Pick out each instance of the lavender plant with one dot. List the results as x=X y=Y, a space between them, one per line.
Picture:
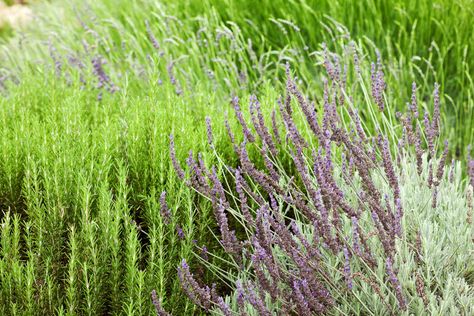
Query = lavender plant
x=325 y=215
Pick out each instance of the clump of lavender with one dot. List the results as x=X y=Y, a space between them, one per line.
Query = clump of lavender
x=295 y=220
x=414 y=136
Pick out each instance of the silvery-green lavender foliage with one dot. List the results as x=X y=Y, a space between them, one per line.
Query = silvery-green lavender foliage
x=332 y=223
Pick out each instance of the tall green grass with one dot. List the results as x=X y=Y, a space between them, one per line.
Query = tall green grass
x=425 y=41
x=420 y=41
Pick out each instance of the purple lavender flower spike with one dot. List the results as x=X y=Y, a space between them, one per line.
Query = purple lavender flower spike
x=430 y=134
x=165 y=211
x=160 y=311
x=226 y=311
x=257 y=302
x=388 y=166
x=204 y=253
x=347 y=268
x=247 y=133
x=276 y=133
x=173 y=80
x=395 y=284
x=58 y=65
x=470 y=165
x=451 y=171
x=398 y=217
x=199 y=295
x=152 y=38
x=241 y=296
x=434 y=199
x=418 y=152
x=243 y=197
x=442 y=162
x=378 y=82
x=99 y=72
x=301 y=301
x=414 y=103
x=259 y=124
x=355 y=236
x=436 y=111
x=229 y=240
x=209 y=132
x=180 y=232
x=176 y=165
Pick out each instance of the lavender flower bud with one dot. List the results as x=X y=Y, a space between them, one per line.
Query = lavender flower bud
x=243 y=198
x=430 y=133
x=259 y=124
x=388 y=166
x=99 y=72
x=257 y=302
x=430 y=174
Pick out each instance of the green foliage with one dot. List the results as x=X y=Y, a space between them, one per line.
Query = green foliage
x=82 y=229
x=80 y=179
